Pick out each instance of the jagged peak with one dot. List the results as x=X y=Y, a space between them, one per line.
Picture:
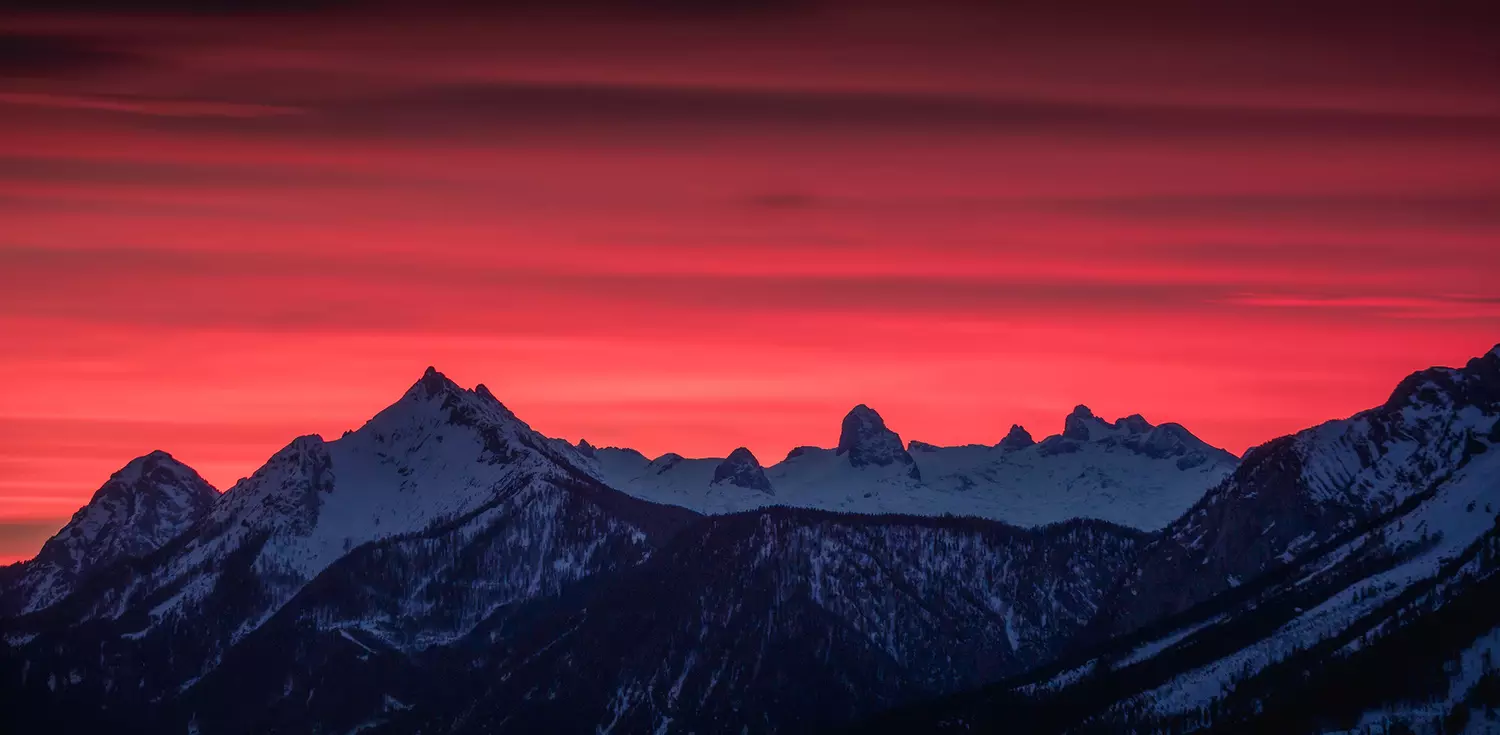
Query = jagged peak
x=433 y=383
x=1134 y=423
x=1017 y=438
x=1076 y=425
x=473 y=407
x=624 y=450
x=1477 y=383
x=585 y=448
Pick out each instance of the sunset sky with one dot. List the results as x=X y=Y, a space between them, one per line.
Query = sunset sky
x=649 y=225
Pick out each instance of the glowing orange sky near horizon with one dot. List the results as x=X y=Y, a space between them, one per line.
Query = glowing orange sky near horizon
x=683 y=233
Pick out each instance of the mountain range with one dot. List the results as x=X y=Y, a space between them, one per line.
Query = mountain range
x=447 y=569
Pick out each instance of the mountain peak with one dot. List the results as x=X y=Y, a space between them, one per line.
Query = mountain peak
x=460 y=404
x=1076 y=425
x=1134 y=423
x=1017 y=438
x=865 y=438
x=743 y=469
x=1477 y=383
x=432 y=383
x=143 y=505
x=151 y=473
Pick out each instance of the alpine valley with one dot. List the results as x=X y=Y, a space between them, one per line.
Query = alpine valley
x=447 y=569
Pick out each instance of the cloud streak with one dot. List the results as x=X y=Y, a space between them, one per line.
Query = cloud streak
x=689 y=227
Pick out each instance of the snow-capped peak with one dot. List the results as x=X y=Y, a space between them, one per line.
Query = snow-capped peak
x=743 y=469
x=145 y=504
x=1475 y=384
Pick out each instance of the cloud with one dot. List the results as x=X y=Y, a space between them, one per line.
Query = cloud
x=624 y=110
x=1411 y=307
x=141 y=105
x=41 y=55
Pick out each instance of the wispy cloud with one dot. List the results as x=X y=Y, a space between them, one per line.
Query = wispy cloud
x=148 y=106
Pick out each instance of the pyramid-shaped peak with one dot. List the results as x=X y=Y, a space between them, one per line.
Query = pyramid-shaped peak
x=470 y=406
x=743 y=454
x=433 y=383
x=143 y=505
x=157 y=472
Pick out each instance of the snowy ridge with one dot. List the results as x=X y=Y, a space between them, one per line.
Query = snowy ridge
x=1129 y=472
x=1286 y=599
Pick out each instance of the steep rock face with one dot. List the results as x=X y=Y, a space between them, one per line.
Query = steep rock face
x=1017 y=438
x=794 y=621
x=1077 y=425
x=864 y=438
x=148 y=502
x=1296 y=493
x=742 y=469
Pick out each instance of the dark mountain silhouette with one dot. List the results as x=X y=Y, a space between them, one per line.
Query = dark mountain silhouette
x=445 y=568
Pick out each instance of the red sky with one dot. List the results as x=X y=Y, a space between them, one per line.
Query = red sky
x=686 y=231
